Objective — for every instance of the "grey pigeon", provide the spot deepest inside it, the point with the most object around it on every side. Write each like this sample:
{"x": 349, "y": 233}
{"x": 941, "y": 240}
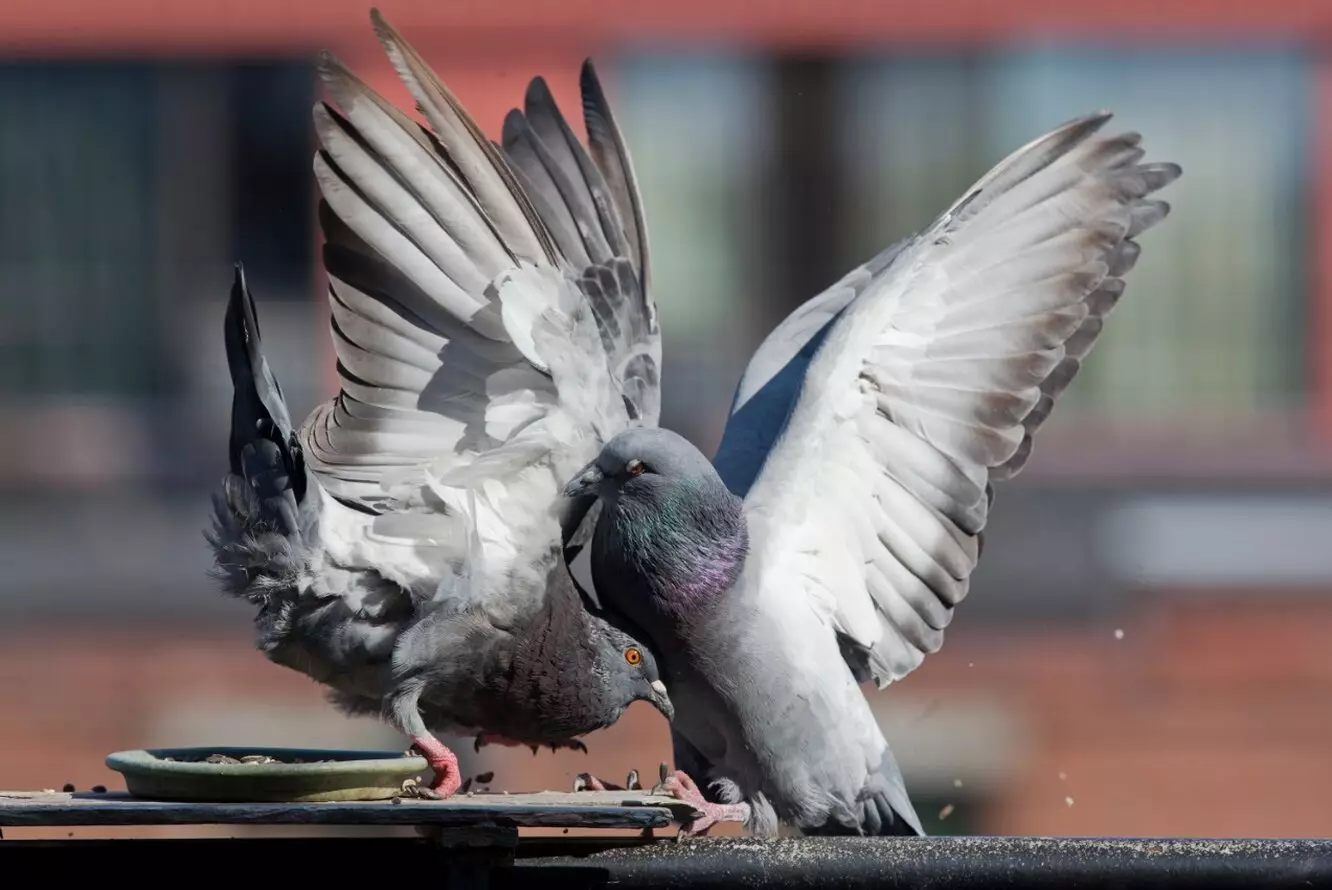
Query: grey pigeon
{"x": 834, "y": 535}
{"x": 493, "y": 330}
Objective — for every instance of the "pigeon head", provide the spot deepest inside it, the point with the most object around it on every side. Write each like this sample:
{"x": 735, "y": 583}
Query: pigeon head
{"x": 645, "y": 463}
{"x": 629, "y": 672}
{"x": 670, "y": 537}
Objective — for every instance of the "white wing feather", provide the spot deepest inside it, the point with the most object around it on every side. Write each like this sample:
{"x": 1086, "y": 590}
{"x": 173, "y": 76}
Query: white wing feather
{"x": 474, "y": 375}
{"x": 872, "y": 503}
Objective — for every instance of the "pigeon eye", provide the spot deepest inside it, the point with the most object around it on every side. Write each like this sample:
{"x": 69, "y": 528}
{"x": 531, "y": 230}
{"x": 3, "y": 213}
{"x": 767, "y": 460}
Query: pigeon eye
{"x": 635, "y": 467}
{"x": 632, "y": 655}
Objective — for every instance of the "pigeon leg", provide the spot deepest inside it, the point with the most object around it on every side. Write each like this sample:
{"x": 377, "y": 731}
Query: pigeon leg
{"x": 448, "y": 777}
{"x": 681, "y": 787}
{"x": 405, "y": 715}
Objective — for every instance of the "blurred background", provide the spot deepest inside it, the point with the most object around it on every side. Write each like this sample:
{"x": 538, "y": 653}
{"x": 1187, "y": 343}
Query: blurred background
{"x": 1147, "y": 649}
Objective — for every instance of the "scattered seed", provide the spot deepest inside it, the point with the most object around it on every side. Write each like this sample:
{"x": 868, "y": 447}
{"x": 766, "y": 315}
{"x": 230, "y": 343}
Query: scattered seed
{"x": 99, "y": 789}
{"x": 1119, "y": 633}
{"x": 1062, "y": 775}
{"x": 957, "y": 783}
{"x": 971, "y": 664}
{"x": 69, "y": 788}
{"x": 397, "y": 801}
{"x": 485, "y": 778}
{"x": 1069, "y": 801}
{"x": 945, "y": 812}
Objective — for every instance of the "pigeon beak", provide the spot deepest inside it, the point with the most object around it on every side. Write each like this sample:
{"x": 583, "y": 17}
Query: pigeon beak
{"x": 662, "y": 700}
{"x": 588, "y": 479}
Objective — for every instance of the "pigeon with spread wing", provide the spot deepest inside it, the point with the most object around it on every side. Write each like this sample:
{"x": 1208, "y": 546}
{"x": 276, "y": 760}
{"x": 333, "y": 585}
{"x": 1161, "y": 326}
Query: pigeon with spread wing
{"x": 493, "y": 326}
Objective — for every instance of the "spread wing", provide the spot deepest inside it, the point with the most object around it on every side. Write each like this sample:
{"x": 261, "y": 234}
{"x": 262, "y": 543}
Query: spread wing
{"x": 870, "y": 498}
{"x": 489, "y": 308}
{"x": 772, "y": 380}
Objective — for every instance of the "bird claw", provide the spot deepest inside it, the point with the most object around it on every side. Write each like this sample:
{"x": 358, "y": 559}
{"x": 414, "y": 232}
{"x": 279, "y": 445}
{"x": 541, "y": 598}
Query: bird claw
{"x": 589, "y": 782}
{"x": 680, "y": 786}
{"x": 484, "y": 738}
{"x": 421, "y": 792}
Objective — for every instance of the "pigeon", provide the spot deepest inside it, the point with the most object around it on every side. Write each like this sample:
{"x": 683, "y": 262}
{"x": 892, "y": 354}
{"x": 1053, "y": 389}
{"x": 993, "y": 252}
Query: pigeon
{"x": 408, "y": 545}
{"x": 834, "y": 533}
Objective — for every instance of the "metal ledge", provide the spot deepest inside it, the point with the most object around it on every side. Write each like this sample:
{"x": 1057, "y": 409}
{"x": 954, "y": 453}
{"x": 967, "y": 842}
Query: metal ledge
{"x": 956, "y": 863}
{"x": 963, "y": 862}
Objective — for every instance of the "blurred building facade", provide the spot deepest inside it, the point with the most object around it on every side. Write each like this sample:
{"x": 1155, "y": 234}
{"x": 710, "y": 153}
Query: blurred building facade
{"x": 1145, "y": 650}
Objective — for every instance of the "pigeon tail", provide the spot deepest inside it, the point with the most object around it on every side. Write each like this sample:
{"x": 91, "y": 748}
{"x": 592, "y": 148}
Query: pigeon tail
{"x": 262, "y": 513}
{"x": 883, "y": 810}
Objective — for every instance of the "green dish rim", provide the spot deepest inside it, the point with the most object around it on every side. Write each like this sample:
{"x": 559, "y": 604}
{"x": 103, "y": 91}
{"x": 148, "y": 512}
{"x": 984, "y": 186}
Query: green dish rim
{"x": 149, "y": 760}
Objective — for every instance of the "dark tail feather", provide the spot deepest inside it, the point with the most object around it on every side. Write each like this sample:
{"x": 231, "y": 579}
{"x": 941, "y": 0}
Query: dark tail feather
{"x": 264, "y": 451}
{"x": 262, "y": 511}
{"x": 876, "y": 818}
{"x": 883, "y": 810}
{"x": 886, "y": 809}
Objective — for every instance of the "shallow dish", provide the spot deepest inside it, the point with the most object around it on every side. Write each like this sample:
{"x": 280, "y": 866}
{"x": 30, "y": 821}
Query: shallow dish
{"x": 264, "y": 775}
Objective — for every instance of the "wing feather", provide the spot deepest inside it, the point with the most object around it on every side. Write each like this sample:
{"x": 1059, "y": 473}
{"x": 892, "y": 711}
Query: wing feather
{"x": 870, "y": 499}
{"x": 488, "y": 324}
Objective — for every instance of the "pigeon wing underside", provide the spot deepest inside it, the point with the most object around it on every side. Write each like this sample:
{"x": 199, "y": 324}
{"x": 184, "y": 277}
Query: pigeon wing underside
{"x": 868, "y": 481}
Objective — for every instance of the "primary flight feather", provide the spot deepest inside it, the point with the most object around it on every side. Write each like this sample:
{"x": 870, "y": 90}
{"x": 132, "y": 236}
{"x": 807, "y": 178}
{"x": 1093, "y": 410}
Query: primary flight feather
{"x": 835, "y": 533}
{"x": 493, "y": 330}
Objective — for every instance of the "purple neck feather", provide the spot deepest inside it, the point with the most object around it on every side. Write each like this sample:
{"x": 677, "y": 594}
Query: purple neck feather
{"x": 678, "y": 552}
{"x": 712, "y": 571}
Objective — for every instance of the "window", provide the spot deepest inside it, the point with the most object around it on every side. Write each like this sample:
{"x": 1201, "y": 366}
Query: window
{"x": 697, "y": 129}
{"x": 1213, "y": 324}
{"x": 77, "y": 230}
{"x": 105, "y": 168}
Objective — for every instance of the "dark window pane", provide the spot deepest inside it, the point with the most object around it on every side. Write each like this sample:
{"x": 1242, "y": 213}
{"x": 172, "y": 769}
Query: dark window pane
{"x": 273, "y": 210}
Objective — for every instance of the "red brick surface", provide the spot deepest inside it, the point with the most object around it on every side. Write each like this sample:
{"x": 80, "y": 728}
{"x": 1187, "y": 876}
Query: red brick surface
{"x": 1210, "y": 717}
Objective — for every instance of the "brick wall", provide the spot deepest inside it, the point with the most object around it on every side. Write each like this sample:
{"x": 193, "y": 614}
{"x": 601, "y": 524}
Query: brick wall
{"x": 1209, "y": 717}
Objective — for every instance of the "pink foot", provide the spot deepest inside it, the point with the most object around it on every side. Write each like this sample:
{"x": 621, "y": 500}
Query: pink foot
{"x": 448, "y": 777}
{"x": 681, "y": 787}
{"x": 489, "y": 738}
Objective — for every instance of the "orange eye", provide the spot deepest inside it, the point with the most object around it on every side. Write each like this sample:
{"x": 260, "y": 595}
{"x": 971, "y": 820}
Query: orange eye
{"x": 632, "y": 655}
{"x": 635, "y": 467}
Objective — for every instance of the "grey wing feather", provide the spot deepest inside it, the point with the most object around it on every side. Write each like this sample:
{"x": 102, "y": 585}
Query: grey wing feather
{"x": 772, "y": 380}
{"x": 930, "y": 386}
{"x": 789, "y": 338}
{"x": 596, "y": 226}
{"x": 487, "y": 322}
{"x": 608, "y": 149}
